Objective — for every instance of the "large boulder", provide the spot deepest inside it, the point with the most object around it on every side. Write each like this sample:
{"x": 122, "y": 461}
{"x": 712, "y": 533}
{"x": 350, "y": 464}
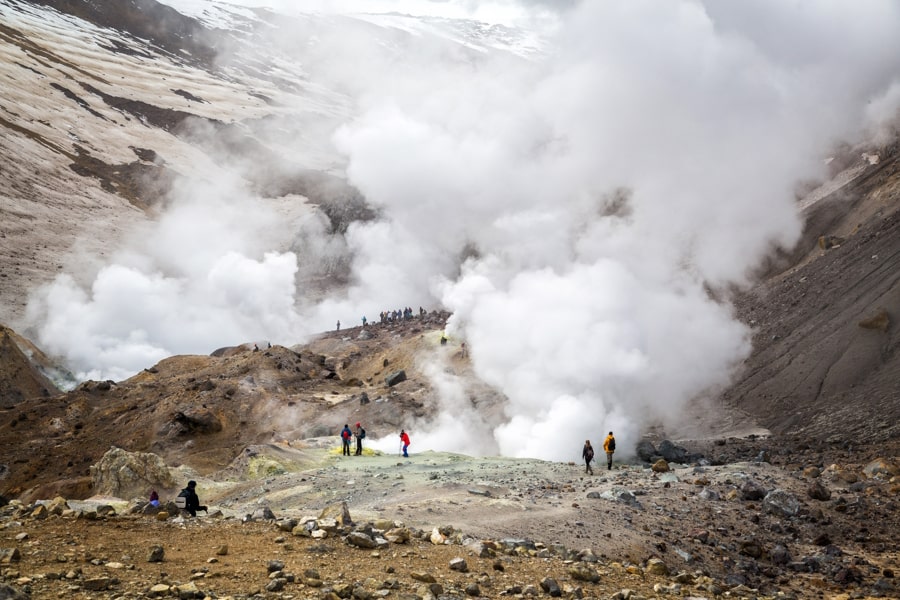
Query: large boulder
{"x": 126, "y": 474}
{"x": 395, "y": 378}
{"x": 672, "y": 453}
{"x": 646, "y": 451}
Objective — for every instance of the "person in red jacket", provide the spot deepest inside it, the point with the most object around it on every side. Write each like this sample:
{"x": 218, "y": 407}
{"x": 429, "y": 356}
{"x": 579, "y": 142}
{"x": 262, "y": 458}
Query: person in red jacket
{"x": 404, "y": 439}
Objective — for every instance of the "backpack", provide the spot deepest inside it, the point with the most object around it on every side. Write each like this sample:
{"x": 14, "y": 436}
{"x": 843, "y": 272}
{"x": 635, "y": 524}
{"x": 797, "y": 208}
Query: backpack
{"x": 181, "y": 499}
{"x": 362, "y": 433}
{"x": 612, "y": 444}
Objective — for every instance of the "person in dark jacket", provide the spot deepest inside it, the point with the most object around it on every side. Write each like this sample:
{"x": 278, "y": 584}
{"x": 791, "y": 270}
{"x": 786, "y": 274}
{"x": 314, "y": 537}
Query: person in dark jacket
{"x": 588, "y": 455}
{"x": 191, "y": 500}
{"x": 346, "y": 434}
{"x": 360, "y": 434}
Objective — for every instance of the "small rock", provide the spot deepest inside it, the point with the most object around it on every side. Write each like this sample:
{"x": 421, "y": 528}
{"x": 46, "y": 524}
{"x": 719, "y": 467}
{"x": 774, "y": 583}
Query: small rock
{"x": 156, "y": 554}
{"x": 96, "y": 584}
{"x": 660, "y": 466}
{"x": 361, "y": 540}
{"x": 584, "y": 573}
{"x": 459, "y": 564}
{"x": 550, "y": 586}
{"x": 9, "y": 555}
{"x": 656, "y": 567}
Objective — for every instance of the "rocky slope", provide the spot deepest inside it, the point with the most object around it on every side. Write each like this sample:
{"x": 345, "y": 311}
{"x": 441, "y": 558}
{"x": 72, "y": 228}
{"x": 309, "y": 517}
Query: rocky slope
{"x": 825, "y": 348}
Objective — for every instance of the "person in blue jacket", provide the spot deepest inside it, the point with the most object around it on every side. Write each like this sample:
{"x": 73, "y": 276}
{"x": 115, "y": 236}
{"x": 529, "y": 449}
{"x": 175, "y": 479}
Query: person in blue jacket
{"x": 346, "y": 434}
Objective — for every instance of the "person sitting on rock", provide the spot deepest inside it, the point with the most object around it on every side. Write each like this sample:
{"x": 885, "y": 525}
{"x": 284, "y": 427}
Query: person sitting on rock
{"x": 191, "y": 500}
{"x": 154, "y": 499}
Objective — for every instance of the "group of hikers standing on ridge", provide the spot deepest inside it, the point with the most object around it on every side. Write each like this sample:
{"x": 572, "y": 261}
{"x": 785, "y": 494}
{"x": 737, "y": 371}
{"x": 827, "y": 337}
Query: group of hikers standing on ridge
{"x": 390, "y": 316}
{"x": 587, "y": 453}
{"x": 360, "y": 434}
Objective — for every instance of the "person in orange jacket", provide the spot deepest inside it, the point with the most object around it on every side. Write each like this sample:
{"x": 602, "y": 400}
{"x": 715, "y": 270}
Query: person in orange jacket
{"x": 404, "y": 439}
{"x": 609, "y": 445}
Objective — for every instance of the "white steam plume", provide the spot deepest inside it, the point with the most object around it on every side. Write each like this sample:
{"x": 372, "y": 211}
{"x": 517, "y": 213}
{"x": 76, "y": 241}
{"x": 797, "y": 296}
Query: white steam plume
{"x": 575, "y": 212}
{"x": 587, "y": 316}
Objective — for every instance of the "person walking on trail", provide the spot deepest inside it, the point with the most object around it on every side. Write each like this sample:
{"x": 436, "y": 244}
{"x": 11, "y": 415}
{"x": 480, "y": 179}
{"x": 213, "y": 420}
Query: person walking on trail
{"x": 360, "y": 434}
{"x": 588, "y": 455}
{"x": 346, "y": 434}
{"x": 609, "y": 445}
{"x": 404, "y": 441}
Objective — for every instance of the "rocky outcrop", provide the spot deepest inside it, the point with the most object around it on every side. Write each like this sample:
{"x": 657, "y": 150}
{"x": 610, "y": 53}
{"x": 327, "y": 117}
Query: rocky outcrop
{"x": 126, "y": 474}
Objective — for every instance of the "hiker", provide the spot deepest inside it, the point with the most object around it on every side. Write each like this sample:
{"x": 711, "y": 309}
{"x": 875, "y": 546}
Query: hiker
{"x": 609, "y": 445}
{"x": 588, "y": 455}
{"x": 346, "y": 434}
{"x": 154, "y": 499}
{"x": 191, "y": 500}
{"x": 338, "y": 326}
{"x": 360, "y": 434}
{"x": 404, "y": 439}
{"x": 364, "y": 321}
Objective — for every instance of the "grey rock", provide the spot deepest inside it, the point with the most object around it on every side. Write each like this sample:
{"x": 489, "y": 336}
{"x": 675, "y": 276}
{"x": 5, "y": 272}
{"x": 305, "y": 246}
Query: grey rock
{"x": 780, "y": 555}
{"x": 646, "y": 451}
{"x": 156, "y": 554}
{"x": 459, "y": 564}
{"x": 395, "y": 378}
{"x": 581, "y": 572}
{"x": 360, "y": 540}
{"x": 8, "y": 592}
{"x": 781, "y": 502}
{"x": 550, "y": 586}
{"x": 817, "y": 491}
{"x": 672, "y": 453}
{"x": 750, "y": 490}
{"x": 708, "y": 494}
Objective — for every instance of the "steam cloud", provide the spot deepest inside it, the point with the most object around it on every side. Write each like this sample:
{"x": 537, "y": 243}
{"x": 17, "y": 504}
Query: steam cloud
{"x": 573, "y": 211}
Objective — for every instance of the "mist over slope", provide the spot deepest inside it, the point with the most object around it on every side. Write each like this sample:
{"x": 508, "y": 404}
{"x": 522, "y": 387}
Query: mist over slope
{"x": 582, "y": 187}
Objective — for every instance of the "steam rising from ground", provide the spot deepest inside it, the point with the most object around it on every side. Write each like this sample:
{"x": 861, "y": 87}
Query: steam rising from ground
{"x": 574, "y": 212}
